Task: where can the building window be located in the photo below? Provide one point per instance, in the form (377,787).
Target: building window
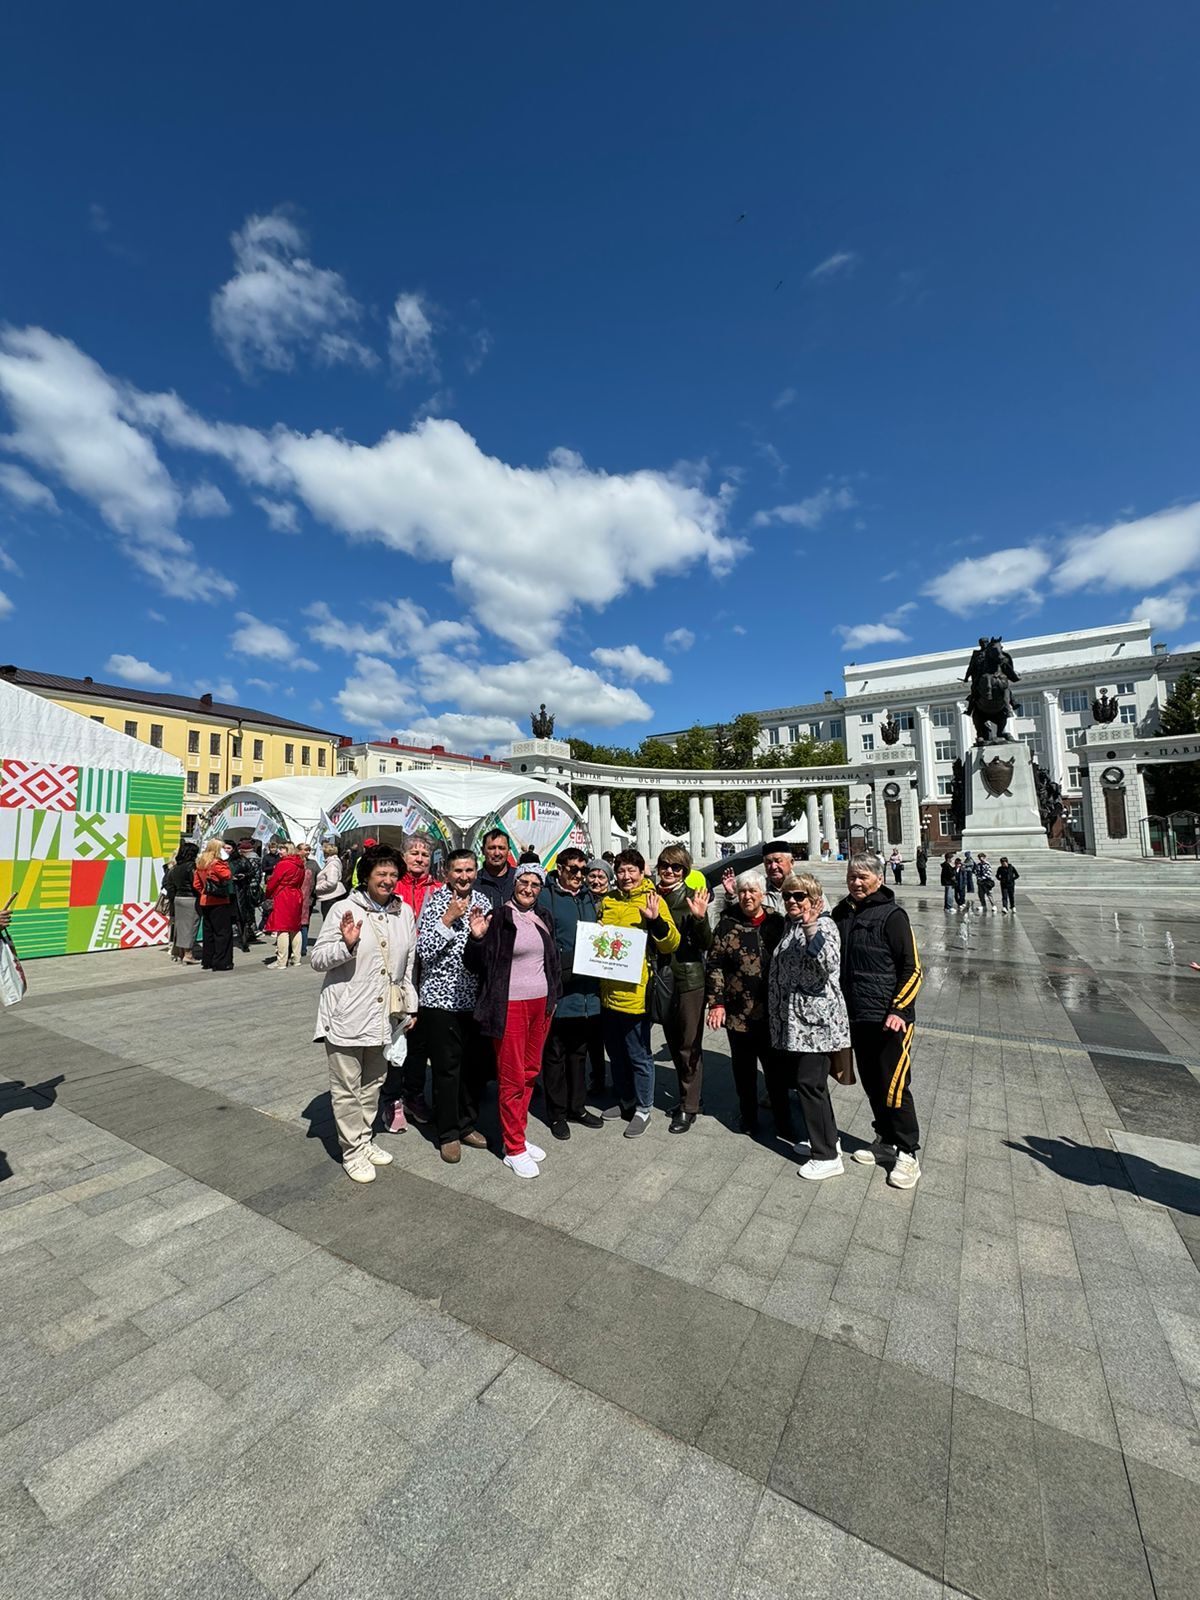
(289,754)
(214,744)
(904,720)
(943,750)
(777,797)
(868,741)
(1124,688)
(131,729)
(321,755)
(100,720)
(1072,777)
(1076,737)
(193,783)
(1073,700)
(214,783)
(772,735)
(399,766)
(236,751)
(835,730)
(1128,716)
(156,735)
(258,749)
(305,756)
(945,822)
(193,741)
(814,730)
(942,716)
(945,784)
(258,777)
(866,718)
(1033,740)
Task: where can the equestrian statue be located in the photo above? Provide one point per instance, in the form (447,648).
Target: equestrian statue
(989,704)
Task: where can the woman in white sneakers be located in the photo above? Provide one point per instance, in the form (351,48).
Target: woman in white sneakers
(367,956)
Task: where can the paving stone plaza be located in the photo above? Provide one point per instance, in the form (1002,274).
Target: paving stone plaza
(669,1367)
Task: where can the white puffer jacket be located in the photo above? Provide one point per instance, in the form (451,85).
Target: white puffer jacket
(355,1005)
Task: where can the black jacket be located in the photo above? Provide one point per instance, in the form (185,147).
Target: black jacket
(498,889)
(949,875)
(881,970)
(1007,875)
(491,958)
(564,912)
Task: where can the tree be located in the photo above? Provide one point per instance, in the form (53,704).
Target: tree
(1176,786)
(806,752)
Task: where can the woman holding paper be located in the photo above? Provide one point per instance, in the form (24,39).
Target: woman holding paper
(512,951)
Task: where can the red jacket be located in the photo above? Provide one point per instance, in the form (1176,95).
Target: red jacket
(285,890)
(413,891)
(215,869)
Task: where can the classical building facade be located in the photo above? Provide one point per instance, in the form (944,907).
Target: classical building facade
(220,745)
(1061,675)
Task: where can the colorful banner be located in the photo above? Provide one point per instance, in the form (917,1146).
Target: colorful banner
(81,855)
(535,824)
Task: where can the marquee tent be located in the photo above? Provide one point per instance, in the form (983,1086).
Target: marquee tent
(87,817)
(455,807)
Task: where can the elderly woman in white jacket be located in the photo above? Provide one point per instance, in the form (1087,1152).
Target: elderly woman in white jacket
(367,957)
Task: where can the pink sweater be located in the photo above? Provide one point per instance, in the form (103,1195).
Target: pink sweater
(528,978)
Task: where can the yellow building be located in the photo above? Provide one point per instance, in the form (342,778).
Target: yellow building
(219,745)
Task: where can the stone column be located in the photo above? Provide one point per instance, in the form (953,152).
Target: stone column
(641,825)
(606,838)
(1054,754)
(752,833)
(710,828)
(695,830)
(828,822)
(593,823)
(654,835)
(813,816)
(923,735)
(767,814)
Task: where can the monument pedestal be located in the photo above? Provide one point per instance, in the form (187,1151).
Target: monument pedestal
(1002,813)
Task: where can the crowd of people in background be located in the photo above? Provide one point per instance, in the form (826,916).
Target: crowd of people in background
(967,875)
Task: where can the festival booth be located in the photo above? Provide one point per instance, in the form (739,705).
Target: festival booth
(456,808)
(88,816)
(288,808)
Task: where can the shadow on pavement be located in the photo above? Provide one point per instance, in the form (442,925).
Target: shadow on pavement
(1096,1167)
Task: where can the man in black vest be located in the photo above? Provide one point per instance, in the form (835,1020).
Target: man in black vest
(881,974)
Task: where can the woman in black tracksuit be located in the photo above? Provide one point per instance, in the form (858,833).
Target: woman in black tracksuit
(880,976)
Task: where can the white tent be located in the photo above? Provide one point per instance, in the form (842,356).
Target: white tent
(87,817)
(293,804)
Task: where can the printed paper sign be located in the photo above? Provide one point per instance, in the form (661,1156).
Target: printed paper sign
(606,952)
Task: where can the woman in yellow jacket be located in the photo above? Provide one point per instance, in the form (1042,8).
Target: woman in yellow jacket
(633,904)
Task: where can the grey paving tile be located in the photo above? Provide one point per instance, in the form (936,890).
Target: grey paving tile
(1069,1391)
(922,1334)
(1168,1510)
(905,1514)
(830,1424)
(748,1417)
(994,1381)
(991,1320)
(22,1520)
(1094,1548)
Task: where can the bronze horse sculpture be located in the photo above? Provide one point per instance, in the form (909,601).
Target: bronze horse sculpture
(991,674)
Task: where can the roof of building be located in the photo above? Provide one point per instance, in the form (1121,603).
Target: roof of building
(417,750)
(189,705)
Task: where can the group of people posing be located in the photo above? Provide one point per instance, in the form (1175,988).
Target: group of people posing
(447,984)
(965,875)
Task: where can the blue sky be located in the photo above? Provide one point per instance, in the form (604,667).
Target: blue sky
(398,371)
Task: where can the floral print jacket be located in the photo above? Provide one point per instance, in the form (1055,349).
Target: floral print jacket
(804,1002)
(735,973)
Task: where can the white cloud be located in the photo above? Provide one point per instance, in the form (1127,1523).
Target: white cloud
(679,639)
(1186,649)
(278,303)
(6,606)
(785,397)
(261,683)
(1127,555)
(1164,612)
(266,642)
(576,694)
(24,489)
(206,500)
(632,663)
(978,581)
(467,735)
(375,697)
(526,546)
(222,691)
(858,634)
(280,514)
(809,512)
(404,629)
(155,616)
(410,338)
(128,669)
(481,343)
(838,264)
(768,452)
(434,495)
(69,420)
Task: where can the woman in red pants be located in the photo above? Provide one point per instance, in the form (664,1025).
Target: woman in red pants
(513,953)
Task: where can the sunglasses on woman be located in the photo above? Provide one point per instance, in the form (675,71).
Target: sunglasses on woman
(794,894)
